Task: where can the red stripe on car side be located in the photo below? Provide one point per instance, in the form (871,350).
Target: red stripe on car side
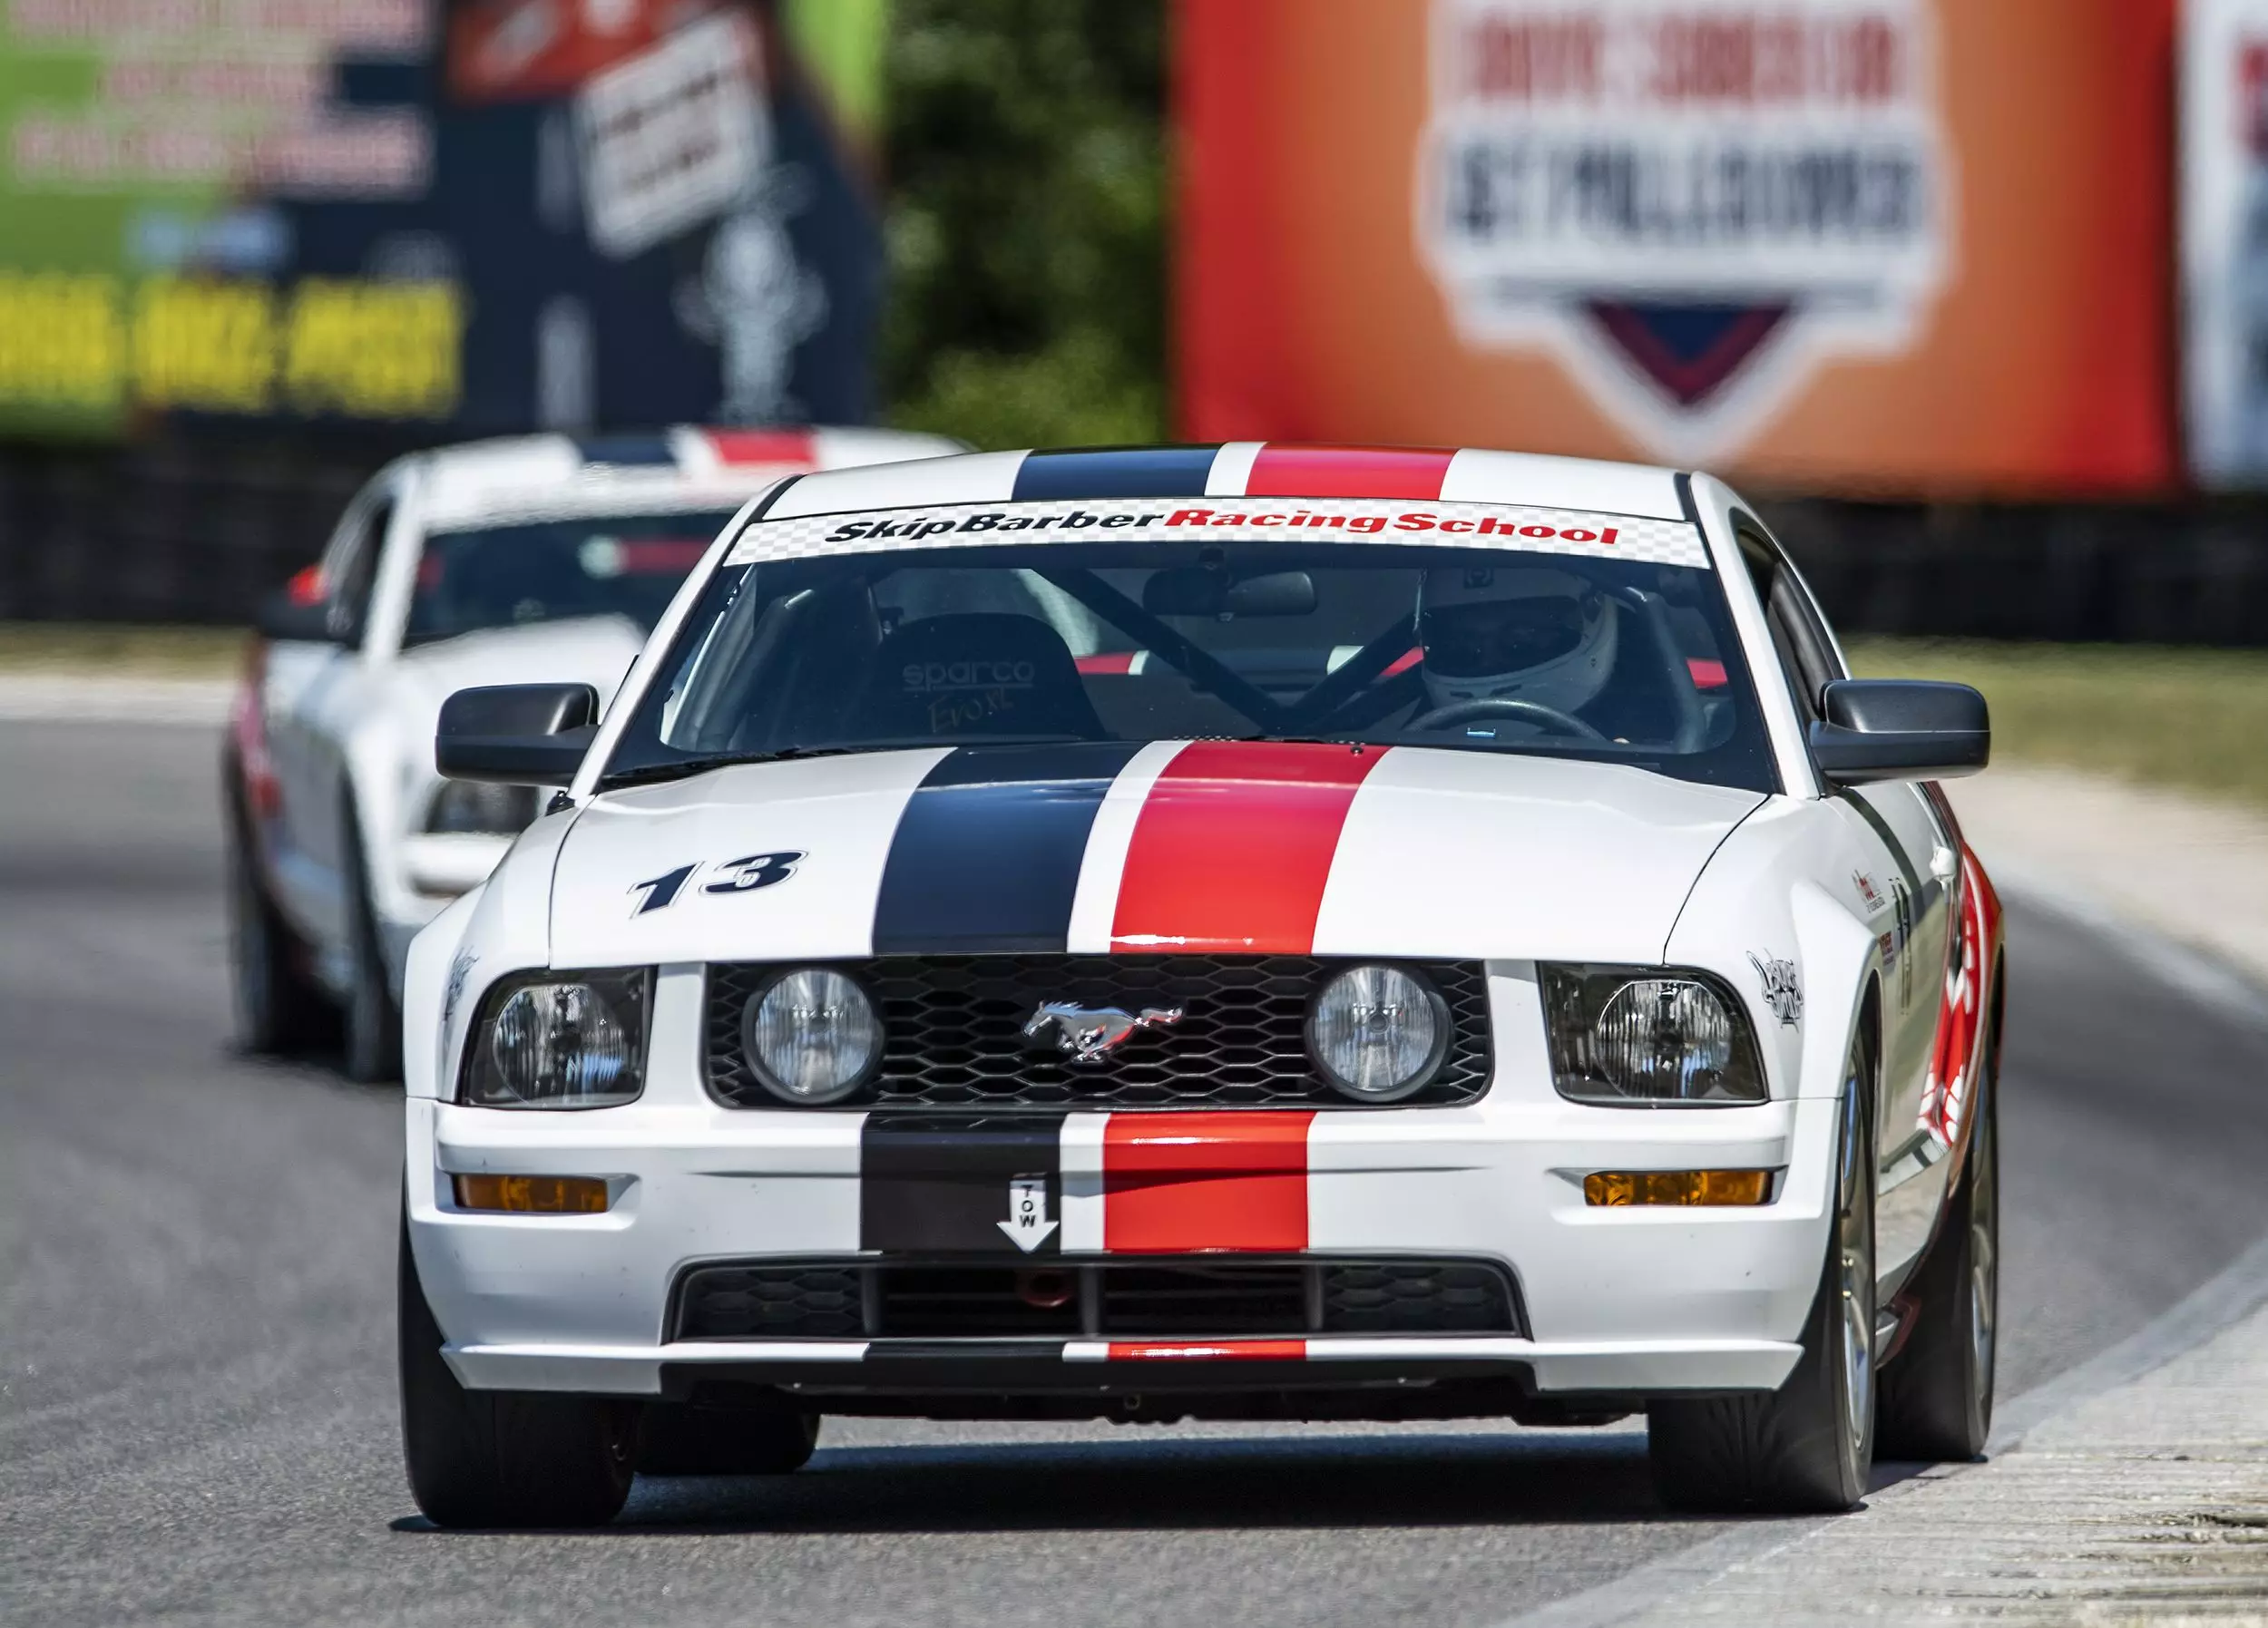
(761,446)
(1177,1183)
(1212,1351)
(1348,471)
(1233,847)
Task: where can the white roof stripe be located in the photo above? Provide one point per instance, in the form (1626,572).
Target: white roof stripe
(975,478)
(1476,476)
(1232,468)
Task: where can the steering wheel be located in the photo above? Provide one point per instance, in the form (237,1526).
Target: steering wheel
(1506,707)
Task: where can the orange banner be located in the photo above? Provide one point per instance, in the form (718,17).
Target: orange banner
(1887,246)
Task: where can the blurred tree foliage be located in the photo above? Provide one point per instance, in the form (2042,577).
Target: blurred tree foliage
(1026,170)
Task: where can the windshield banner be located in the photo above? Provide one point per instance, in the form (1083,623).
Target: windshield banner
(1229,519)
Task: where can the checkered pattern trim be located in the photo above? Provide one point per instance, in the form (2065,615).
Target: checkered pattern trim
(1237,520)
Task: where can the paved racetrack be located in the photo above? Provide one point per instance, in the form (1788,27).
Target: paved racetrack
(197,1417)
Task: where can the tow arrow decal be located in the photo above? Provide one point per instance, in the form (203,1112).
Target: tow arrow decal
(1028,1226)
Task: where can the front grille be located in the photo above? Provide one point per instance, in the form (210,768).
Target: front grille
(953,1032)
(1133,1299)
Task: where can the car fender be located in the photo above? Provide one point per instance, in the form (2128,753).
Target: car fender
(501,927)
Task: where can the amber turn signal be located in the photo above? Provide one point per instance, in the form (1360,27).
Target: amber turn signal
(533,1195)
(1678,1187)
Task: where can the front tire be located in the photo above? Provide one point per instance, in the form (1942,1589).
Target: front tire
(498,1457)
(373,1018)
(1807,1447)
(277,1008)
(1937,1396)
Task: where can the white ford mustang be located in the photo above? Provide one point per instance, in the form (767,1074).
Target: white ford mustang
(541,556)
(1253,932)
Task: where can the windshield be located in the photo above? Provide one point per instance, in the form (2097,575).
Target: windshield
(1481,649)
(552,570)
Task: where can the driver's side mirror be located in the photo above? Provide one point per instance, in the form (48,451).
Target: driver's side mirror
(1900,729)
(288,615)
(516,734)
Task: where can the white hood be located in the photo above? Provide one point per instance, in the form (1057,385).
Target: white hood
(1227,847)
(596,651)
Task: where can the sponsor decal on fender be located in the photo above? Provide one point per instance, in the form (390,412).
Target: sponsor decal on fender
(1959,1051)
(1783,988)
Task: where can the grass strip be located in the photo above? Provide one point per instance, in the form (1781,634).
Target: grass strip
(118,650)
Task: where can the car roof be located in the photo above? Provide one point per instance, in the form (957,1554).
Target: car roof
(685,466)
(1244,469)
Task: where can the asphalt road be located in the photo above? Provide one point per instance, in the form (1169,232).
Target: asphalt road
(197,1414)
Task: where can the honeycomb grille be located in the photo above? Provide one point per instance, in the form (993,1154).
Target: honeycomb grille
(954,1033)
(1129,1299)
(818,1303)
(1415,1297)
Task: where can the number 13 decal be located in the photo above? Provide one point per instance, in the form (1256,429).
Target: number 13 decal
(742,875)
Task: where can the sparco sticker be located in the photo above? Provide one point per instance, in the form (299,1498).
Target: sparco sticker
(1692,203)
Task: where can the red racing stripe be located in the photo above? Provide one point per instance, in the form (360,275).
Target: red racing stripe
(1178,1183)
(761,446)
(1219,1350)
(1348,471)
(1233,847)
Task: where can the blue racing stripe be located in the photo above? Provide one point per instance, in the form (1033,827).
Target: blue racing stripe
(986,857)
(1141,472)
(626,449)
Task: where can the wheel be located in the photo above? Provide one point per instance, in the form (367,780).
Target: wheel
(1808,1447)
(500,1457)
(373,1018)
(1937,1396)
(773,1438)
(279,1008)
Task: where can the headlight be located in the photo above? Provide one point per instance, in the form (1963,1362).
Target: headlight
(812,1036)
(560,1041)
(1378,1033)
(473,805)
(1641,1036)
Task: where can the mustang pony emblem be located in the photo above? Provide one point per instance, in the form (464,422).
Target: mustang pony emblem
(1087,1032)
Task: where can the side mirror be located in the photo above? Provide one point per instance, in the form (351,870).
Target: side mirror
(516,734)
(284,617)
(1900,729)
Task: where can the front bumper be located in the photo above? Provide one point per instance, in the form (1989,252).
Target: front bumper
(1628,1301)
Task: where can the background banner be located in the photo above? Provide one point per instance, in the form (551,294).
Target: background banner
(2224,239)
(487,215)
(1835,245)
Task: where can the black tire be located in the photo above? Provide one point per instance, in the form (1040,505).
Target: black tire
(1807,1447)
(500,1457)
(373,1018)
(279,1009)
(1936,1401)
(772,1439)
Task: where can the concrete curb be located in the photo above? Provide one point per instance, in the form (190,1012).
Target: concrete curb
(85,698)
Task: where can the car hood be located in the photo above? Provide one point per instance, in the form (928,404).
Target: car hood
(1221,846)
(595,650)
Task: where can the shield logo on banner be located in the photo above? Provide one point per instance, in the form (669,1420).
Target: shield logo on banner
(1692,204)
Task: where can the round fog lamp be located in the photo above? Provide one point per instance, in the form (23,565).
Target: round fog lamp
(811,1037)
(1378,1033)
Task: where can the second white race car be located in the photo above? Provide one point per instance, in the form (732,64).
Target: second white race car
(537,556)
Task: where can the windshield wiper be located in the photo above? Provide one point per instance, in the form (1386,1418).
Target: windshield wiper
(685,768)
